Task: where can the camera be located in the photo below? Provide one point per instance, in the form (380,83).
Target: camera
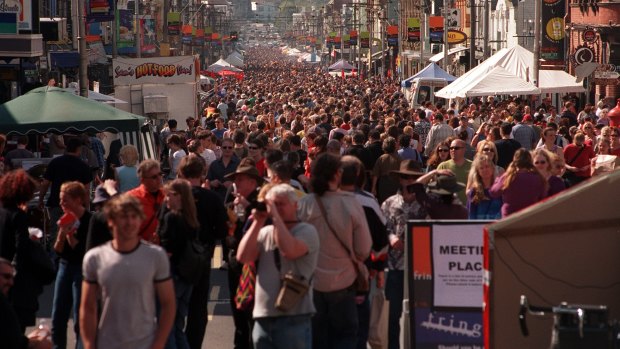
(261,206)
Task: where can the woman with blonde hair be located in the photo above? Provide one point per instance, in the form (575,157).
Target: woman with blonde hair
(543,161)
(521,185)
(480,205)
(486,147)
(178,226)
(127,175)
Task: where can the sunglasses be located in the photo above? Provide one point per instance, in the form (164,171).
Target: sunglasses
(542,162)
(488,150)
(156,176)
(455,148)
(227,147)
(252,148)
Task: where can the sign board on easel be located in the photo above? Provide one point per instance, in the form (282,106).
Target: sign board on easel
(444,284)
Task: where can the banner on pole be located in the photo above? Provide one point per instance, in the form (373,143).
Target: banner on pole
(413,29)
(392,35)
(174,23)
(353,37)
(552,43)
(365,39)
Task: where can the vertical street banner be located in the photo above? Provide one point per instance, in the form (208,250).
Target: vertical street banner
(186,34)
(444,272)
(435,29)
(126,37)
(148,35)
(392,35)
(337,42)
(552,43)
(174,23)
(99,11)
(346,40)
(199,39)
(353,37)
(208,34)
(365,39)
(413,29)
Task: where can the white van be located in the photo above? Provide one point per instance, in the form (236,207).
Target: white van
(423,90)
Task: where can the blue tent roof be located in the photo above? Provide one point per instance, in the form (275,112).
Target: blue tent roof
(432,70)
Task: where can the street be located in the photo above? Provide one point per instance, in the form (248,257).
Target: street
(219,330)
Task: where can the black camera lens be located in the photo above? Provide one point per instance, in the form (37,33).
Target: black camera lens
(261,206)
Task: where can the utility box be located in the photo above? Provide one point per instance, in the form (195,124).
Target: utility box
(155,104)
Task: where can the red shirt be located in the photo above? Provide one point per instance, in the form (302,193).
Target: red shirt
(583,160)
(150,206)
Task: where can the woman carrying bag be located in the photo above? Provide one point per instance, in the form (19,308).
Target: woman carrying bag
(345,244)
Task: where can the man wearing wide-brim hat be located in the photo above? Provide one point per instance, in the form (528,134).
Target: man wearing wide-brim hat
(398,209)
(441,201)
(243,199)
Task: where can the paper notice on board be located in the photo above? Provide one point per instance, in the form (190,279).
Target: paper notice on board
(457,265)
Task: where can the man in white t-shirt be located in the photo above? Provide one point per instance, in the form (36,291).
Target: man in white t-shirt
(223,108)
(128,276)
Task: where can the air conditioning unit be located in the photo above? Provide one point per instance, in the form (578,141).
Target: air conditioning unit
(54,29)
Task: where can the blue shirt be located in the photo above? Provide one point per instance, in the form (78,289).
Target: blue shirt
(485,209)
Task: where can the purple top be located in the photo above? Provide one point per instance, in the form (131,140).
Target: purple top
(556,185)
(526,189)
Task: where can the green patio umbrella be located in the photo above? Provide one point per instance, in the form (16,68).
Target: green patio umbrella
(52,109)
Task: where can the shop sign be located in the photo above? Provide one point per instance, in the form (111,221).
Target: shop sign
(23,9)
(589,35)
(456,37)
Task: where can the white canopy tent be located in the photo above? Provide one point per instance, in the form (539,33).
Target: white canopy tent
(501,82)
(235,60)
(516,61)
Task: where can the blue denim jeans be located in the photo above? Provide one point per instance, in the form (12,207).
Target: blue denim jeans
(335,324)
(283,332)
(67,293)
(394,289)
(182,292)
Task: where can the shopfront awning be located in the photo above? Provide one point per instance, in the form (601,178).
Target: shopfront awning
(438,57)
(64,59)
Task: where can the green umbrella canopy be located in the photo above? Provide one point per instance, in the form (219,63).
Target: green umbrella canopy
(52,109)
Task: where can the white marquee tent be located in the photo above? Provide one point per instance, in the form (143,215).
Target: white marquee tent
(516,61)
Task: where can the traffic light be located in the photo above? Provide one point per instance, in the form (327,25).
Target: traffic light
(234,36)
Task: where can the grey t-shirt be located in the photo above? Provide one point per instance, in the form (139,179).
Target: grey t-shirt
(268,277)
(127,292)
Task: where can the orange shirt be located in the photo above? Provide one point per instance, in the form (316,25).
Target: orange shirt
(150,206)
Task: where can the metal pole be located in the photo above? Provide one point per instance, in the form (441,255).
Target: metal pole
(115,31)
(472,38)
(83,72)
(445,34)
(137,39)
(537,30)
(423,36)
(485,29)
(400,43)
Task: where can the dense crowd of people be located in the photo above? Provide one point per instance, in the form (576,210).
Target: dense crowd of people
(306,180)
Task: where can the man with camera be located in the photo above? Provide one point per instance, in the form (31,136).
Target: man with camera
(286,253)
